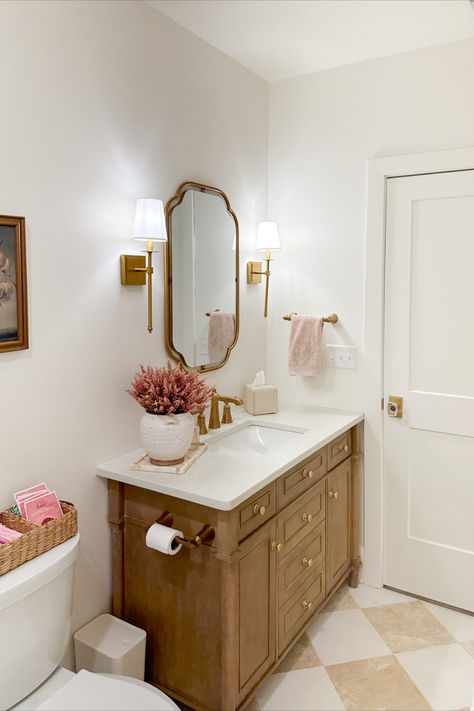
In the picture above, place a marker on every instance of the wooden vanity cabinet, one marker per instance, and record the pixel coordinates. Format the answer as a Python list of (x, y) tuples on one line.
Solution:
[(220, 617)]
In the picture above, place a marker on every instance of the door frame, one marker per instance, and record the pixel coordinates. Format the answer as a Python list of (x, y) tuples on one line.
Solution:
[(379, 171)]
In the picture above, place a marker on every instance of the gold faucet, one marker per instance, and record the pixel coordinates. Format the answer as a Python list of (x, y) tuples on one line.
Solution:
[(214, 422)]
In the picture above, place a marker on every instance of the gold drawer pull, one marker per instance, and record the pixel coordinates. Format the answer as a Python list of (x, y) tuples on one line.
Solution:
[(259, 510), (306, 605), (307, 517), (276, 545), (307, 473), (307, 562), (346, 448), (333, 494)]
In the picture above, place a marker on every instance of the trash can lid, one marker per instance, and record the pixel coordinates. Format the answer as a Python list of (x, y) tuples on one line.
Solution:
[(110, 635)]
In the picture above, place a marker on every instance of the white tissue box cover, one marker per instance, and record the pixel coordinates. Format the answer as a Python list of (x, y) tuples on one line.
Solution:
[(261, 399)]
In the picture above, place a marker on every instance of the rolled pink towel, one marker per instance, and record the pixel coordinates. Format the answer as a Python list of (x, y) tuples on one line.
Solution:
[(8, 534), (305, 346)]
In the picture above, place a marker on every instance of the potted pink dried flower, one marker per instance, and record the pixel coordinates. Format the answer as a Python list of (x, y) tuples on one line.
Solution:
[(169, 395)]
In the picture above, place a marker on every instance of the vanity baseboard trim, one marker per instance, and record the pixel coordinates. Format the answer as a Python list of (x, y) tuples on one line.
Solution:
[(214, 614)]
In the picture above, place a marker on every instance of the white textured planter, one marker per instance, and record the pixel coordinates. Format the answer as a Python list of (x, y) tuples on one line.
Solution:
[(166, 438)]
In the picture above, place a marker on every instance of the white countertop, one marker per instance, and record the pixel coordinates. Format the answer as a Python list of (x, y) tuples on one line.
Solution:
[(222, 478)]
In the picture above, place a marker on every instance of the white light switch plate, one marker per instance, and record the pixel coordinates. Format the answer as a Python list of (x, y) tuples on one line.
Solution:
[(341, 357)]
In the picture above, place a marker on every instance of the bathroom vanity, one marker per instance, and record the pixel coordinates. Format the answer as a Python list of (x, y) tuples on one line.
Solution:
[(221, 616)]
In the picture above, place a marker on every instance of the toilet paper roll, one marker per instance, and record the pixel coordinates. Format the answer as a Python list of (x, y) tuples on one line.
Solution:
[(163, 539)]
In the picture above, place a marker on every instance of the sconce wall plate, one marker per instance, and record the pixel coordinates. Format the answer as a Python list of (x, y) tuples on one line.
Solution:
[(129, 263), (254, 272)]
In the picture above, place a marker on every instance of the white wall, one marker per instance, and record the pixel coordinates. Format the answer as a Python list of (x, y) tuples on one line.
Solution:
[(104, 102), (323, 129)]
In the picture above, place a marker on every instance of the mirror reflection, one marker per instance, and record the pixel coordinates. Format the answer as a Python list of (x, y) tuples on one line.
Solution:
[(202, 277)]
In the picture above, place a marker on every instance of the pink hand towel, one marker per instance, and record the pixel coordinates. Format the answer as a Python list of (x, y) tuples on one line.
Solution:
[(305, 346), (221, 334)]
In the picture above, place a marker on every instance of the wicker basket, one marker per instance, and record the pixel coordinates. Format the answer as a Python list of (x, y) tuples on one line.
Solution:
[(35, 539)]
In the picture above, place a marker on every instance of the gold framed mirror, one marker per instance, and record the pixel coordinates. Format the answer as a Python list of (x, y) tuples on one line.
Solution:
[(201, 275)]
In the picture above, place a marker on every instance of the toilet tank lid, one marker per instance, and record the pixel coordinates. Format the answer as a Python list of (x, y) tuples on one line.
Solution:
[(30, 576), (95, 692)]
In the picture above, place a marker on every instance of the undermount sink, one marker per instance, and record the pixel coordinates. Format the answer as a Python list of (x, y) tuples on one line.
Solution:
[(259, 439)]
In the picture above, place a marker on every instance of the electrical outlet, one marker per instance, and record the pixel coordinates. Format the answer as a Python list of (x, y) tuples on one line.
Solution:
[(341, 357)]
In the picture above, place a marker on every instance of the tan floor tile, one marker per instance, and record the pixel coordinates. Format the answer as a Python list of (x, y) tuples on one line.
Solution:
[(379, 683), (341, 600), (302, 656), (469, 647), (407, 626), (253, 705)]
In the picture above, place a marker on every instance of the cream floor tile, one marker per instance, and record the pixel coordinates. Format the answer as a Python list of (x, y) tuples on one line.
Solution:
[(302, 656), (469, 647), (301, 690), (379, 683), (443, 674), (458, 624), (341, 600), (407, 626), (366, 596), (345, 636)]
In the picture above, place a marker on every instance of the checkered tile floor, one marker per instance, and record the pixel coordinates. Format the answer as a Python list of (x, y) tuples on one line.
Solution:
[(376, 649)]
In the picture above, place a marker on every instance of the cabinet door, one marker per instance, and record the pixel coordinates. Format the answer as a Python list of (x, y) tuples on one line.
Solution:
[(256, 581), (338, 522)]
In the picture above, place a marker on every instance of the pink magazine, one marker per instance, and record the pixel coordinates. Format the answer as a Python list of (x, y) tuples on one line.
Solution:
[(37, 495), (27, 493), (43, 508)]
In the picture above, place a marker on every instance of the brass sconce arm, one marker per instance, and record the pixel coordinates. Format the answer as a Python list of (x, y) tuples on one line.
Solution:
[(138, 270), (254, 276)]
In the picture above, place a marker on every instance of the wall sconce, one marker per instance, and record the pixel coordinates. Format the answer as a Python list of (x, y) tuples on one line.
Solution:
[(149, 225), (268, 239)]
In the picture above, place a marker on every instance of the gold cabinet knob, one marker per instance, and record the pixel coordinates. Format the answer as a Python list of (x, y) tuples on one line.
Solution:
[(276, 546), (307, 473), (346, 448), (306, 605), (333, 494), (307, 562), (259, 510), (307, 517)]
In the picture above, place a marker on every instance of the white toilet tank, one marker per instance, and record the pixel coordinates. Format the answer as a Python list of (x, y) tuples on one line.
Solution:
[(35, 620)]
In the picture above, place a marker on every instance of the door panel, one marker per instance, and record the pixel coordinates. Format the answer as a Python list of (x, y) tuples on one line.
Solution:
[(338, 522), (429, 342), (257, 603)]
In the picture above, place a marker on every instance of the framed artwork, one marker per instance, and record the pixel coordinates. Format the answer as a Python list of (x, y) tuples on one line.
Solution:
[(13, 296)]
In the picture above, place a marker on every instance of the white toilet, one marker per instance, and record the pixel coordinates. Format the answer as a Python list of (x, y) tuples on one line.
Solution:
[(35, 619)]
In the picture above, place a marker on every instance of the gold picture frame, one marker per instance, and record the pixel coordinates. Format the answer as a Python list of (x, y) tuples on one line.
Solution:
[(13, 290)]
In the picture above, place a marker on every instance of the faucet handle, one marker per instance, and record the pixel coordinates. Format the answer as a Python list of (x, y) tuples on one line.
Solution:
[(227, 415)]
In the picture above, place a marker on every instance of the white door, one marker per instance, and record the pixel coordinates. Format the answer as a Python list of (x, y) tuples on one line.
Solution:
[(429, 362)]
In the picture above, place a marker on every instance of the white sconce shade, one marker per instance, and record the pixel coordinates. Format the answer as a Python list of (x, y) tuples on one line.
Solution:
[(149, 222), (268, 238)]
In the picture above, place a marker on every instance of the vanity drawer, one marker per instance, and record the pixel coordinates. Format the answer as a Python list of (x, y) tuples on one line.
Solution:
[(339, 450), (301, 517), (256, 510), (300, 564), (301, 478), (299, 608)]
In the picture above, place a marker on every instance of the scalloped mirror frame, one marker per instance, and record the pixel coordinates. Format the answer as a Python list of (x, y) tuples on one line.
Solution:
[(167, 273)]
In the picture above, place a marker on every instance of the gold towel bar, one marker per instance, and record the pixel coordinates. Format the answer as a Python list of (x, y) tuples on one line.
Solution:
[(208, 313), (333, 318)]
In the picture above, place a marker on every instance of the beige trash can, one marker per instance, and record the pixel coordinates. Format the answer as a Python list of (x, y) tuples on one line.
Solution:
[(108, 645)]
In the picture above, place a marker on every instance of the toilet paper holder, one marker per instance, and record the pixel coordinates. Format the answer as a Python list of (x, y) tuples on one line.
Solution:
[(205, 535)]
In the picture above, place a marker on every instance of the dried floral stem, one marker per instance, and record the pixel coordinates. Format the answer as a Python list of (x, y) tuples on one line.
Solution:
[(169, 390)]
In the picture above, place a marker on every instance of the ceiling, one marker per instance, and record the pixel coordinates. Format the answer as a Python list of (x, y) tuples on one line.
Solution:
[(278, 39)]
